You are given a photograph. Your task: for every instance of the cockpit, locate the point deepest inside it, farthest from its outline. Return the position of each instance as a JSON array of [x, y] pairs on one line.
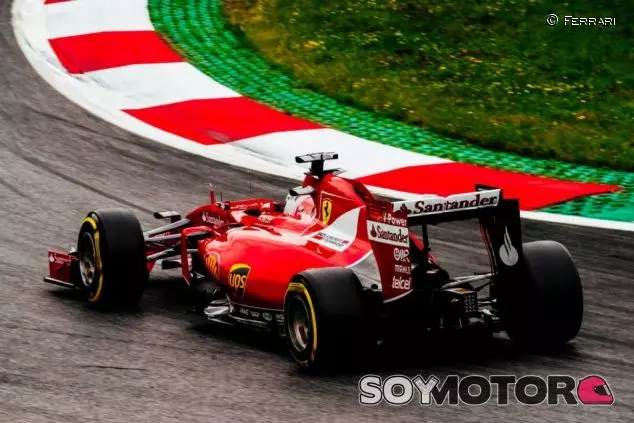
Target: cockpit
[[300, 201]]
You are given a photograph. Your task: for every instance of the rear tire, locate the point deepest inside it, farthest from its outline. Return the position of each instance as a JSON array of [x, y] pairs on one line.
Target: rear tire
[[324, 318], [544, 308], [111, 251]]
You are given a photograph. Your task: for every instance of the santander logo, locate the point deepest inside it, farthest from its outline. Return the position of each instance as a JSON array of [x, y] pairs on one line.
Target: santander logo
[[508, 253], [388, 234], [434, 204]]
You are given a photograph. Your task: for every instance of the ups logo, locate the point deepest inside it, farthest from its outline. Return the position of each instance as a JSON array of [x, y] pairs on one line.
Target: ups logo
[[238, 277]]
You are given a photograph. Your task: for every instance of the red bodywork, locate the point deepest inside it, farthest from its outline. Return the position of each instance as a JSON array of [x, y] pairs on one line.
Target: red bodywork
[[266, 247], [239, 257], [252, 248]]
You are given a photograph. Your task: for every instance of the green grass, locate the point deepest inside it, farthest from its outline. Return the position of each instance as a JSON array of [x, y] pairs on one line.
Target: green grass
[[492, 73]]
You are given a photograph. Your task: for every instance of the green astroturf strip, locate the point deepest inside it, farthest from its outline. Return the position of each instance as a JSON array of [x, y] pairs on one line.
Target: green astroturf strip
[[197, 29]]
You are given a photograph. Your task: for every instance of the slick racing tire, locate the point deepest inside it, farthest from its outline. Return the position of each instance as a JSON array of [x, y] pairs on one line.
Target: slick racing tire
[[544, 308], [111, 257], [324, 318]]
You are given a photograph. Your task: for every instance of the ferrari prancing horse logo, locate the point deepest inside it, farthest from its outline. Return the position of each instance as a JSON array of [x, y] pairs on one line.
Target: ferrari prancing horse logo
[[326, 210]]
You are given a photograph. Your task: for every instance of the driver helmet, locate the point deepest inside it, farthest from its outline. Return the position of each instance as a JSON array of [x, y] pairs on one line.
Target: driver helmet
[[298, 205]]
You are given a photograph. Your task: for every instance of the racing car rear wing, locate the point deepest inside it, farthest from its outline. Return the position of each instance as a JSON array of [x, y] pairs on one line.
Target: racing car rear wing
[[499, 220], [433, 209]]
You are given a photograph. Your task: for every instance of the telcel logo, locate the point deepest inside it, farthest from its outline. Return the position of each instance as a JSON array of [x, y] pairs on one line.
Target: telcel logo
[[401, 283]]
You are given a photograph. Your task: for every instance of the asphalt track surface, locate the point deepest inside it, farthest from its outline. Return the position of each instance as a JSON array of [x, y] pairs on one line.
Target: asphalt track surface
[[60, 361]]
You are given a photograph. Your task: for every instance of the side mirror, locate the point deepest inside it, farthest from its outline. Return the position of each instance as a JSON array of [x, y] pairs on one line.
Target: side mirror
[[171, 215]]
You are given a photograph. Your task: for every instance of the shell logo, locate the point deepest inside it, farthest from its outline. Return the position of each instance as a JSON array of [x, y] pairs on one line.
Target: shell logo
[[212, 261]]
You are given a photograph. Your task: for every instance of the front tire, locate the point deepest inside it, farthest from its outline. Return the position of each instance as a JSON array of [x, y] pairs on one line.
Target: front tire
[[544, 307], [324, 317], [111, 258]]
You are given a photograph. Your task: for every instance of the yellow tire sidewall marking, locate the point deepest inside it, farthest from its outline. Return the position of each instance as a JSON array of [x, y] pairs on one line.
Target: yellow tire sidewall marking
[[301, 289], [95, 297]]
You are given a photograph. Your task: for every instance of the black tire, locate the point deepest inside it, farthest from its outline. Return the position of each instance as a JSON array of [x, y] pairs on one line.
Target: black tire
[[332, 300], [114, 239], [544, 308]]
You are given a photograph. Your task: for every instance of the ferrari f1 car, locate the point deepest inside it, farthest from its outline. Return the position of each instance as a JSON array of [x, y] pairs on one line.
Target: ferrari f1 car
[[333, 267]]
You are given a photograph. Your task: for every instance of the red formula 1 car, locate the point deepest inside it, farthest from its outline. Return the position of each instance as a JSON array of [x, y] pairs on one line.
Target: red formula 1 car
[[333, 267]]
